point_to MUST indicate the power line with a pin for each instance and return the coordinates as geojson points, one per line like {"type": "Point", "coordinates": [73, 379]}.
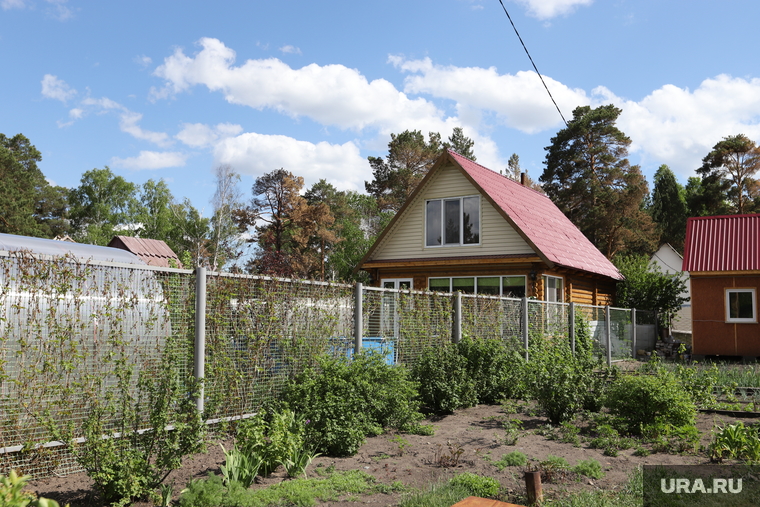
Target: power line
{"type": "Point", "coordinates": [531, 61]}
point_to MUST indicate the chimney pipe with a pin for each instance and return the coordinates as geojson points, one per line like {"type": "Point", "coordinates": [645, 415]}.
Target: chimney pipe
{"type": "Point", "coordinates": [522, 178]}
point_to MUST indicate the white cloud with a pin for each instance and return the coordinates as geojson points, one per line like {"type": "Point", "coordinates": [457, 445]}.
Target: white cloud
{"type": "Point", "coordinates": [290, 50]}
{"type": "Point", "coordinates": [12, 4]}
{"type": "Point", "coordinates": [151, 160]}
{"type": "Point", "coordinates": [546, 9]}
{"type": "Point", "coordinates": [128, 120]}
{"type": "Point", "coordinates": [61, 10]}
{"type": "Point", "coordinates": [520, 100]}
{"type": "Point", "coordinates": [142, 60]}
{"type": "Point", "coordinates": [198, 135]}
{"type": "Point", "coordinates": [678, 127]}
{"type": "Point", "coordinates": [129, 124]}
{"type": "Point", "coordinates": [330, 94]}
{"type": "Point", "coordinates": [54, 88]}
{"type": "Point", "coordinates": [258, 154]}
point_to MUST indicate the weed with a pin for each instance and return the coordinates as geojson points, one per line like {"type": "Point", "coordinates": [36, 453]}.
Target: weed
{"type": "Point", "coordinates": [735, 441]}
{"type": "Point", "coordinates": [512, 430]}
{"type": "Point", "coordinates": [450, 456]}
{"type": "Point", "coordinates": [589, 468]}
{"type": "Point", "coordinates": [12, 493]}
{"type": "Point", "coordinates": [513, 459]}
{"type": "Point", "coordinates": [240, 467]}
{"type": "Point", "coordinates": [401, 444]}
{"type": "Point", "coordinates": [477, 485]}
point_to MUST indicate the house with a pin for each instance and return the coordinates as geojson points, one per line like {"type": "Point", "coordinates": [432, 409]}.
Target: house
{"type": "Point", "coordinates": [670, 262]}
{"type": "Point", "coordinates": [153, 251]}
{"type": "Point", "coordinates": [722, 256]}
{"type": "Point", "coordinates": [467, 228]}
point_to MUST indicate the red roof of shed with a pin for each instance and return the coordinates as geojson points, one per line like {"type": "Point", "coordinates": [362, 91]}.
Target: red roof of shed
{"type": "Point", "coordinates": [153, 251]}
{"type": "Point", "coordinates": [722, 243]}
{"type": "Point", "coordinates": [533, 215]}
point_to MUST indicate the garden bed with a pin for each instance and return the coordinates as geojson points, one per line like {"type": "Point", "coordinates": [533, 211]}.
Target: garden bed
{"type": "Point", "coordinates": [477, 432]}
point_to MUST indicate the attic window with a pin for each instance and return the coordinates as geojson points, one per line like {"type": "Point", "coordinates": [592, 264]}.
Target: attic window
{"type": "Point", "coordinates": [740, 305]}
{"type": "Point", "coordinates": [452, 222]}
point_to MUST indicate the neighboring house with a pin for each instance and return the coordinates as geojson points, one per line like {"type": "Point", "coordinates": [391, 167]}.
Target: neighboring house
{"type": "Point", "coordinates": [56, 248]}
{"type": "Point", "coordinates": [670, 262]}
{"type": "Point", "coordinates": [467, 228]}
{"type": "Point", "coordinates": [722, 256]}
{"type": "Point", "coordinates": [153, 251]}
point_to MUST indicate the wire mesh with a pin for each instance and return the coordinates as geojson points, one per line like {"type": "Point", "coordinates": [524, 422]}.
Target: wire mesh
{"type": "Point", "coordinates": [491, 317]}
{"type": "Point", "coordinates": [403, 323]}
{"type": "Point", "coordinates": [68, 329]}
{"type": "Point", "coordinates": [261, 332]}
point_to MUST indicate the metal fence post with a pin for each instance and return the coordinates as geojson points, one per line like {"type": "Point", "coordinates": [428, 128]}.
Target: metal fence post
{"type": "Point", "coordinates": [572, 326]}
{"type": "Point", "coordinates": [525, 326]}
{"type": "Point", "coordinates": [608, 332]}
{"type": "Point", "coordinates": [358, 317]}
{"type": "Point", "coordinates": [456, 333]}
{"type": "Point", "coordinates": [199, 353]}
{"type": "Point", "coordinates": [633, 333]}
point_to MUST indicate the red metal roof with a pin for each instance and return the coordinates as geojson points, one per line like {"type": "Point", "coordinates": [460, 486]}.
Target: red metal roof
{"type": "Point", "coordinates": [153, 251]}
{"type": "Point", "coordinates": [540, 221]}
{"type": "Point", "coordinates": [722, 243]}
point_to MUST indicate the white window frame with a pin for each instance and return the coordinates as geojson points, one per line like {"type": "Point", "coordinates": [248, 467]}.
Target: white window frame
{"type": "Point", "coordinates": [461, 222]}
{"type": "Point", "coordinates": [501, 281]}
{"type": "Point", "coordinates": [739, 320]}
{"type": "Point", "coordinates": [560, 293]}
{"type": "Point", "coordinates": [397, 283]}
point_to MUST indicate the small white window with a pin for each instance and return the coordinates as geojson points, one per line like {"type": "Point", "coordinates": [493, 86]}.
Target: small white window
{"type": "Point", "coordinates": [553, 291]}
{"type": "Point", "coordinates": [740, 305]}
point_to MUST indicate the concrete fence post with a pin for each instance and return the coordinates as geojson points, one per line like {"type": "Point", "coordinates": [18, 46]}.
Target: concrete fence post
{"type": "Point", "coordinates": [633, 333]}
{"type": "Point", "coordinates": [571, 327]}
{"type": "Point", "coordinates": [358, 317]}
{"type": "Point", "coordinates": [525, 325]}
{"type": "Point", "coordinates": [608, 333]}
{"type": "Point", "coordinates": [456, 331]}
{"type": "Point", "coordinates": [199, 353]}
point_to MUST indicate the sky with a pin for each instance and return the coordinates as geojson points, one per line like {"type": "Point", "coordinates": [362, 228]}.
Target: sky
{"type": "Point", "coordinates": [168, 89]}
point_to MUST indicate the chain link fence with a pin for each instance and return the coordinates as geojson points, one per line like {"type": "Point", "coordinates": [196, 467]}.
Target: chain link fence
{"type": "Point", "coordinates": [67, 327]}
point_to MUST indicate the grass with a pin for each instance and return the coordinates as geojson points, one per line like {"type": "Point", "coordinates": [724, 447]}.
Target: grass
{"type": "Point", "coordinates": [211, 492]}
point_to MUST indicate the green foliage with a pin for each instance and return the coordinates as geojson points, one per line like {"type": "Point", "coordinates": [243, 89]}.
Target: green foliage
{"type": "Point", "coordinates": [511, 431]}
{"type": "Point", "coordinates": [641, 400]}
{"type": "Point", "coordinates": [347, 400]}
{"type": "Point", "coordinates": [669, 208]}
{"type": "Point", "coordinates": [513, 459]}
{"type": "Point", "coordinates": [733, 163]}
{"type": "Point", "coordinates": [736, 441]}
{"type": "Point", "coordinates": [444, 381]}
{"type": "Point", "coordinates": [562, 382]}
{"type": "Point", "coordinates": [462, 375]}
{"type": "Point", "coordinates": [646, 288]}
{"type": "Point", "coordinates": [272, 439]}
{"type": "Point", "coordinates": [476, 485]}
{"type": "Point", "coordinates": [610, 440]}
{"type": "Point", "coordinates": [125, 461]}
{"type": "Point", "coordinates": [589, 468]}
{"type": "Point", "coordinates": [437, 495]}
{"type": "Point", "coordinates": [212, 492]}
{"type": "Point", "coordinates": [240, 467]}
{"type": "Point", "coordinates": [12, 493]}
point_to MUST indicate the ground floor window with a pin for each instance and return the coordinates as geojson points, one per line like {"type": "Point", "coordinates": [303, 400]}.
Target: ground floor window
{"type": "Point", "coordinates": [553, 289]}
{"type": "Point", "coordinates": [505, 286]}
{"type": "Point", "coordinates": [740, 305]}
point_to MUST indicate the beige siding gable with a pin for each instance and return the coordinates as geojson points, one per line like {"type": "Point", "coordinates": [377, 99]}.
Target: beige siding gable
{"type": "Point", "coordinates": [407, 238]}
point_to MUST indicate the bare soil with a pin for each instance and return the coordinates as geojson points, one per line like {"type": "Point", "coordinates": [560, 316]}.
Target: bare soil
{"type": "Point", "coordinates": [476, 431]}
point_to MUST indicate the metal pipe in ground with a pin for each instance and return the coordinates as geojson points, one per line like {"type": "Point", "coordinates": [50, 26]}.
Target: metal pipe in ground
{"type": "Point", "coordinates": [533, 487]}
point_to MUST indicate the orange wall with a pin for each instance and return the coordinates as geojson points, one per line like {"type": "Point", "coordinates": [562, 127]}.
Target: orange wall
{"type": "Point", "coordinates": [711, 334]}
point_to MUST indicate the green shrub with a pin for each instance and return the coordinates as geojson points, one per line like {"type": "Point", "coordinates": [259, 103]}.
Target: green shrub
{"type": "Point", "coordinates": [271, 438]}
{"type": "Point", "coordinates": [477, 485]}
{"type": "Point", "coordinates": [736, 441]}
{"type": "Point", "coordinates": [467, 373]}
{"type": "Point", "coordinates": [513, 459]}
{"type": "Point", "coordinates": [589, 468]}
{"type": "Point", "coordinates": [561, 382]}
{"type": "Point", "coordinates": [344, 401]}
{"type": "Point", "coordinates": [495, 368]}
{"type": "Point", "coordinates": [445, 384]}
{"type": "Point", "coordinates": [12, 493]}
{"type": "Point", "coordinates": [642, 400]}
